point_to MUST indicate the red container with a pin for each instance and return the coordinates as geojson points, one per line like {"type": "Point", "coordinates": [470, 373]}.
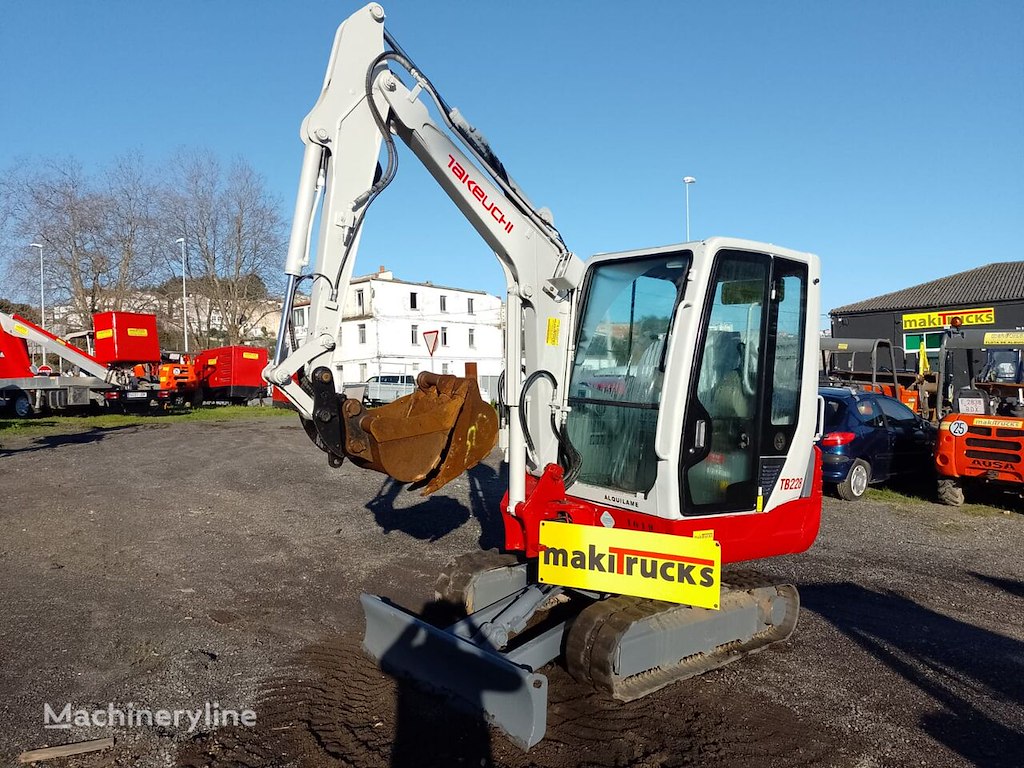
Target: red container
{"type": "Point", "coordinates": [125, 338]}
{"type": "Point", "coordinates": [14, 360]}
{"type": "Point", "coordinates": [232, 373]}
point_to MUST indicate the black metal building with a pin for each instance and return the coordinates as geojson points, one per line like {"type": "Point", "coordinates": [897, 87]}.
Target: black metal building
{"type": "Point", "coordinates": [987, 297]}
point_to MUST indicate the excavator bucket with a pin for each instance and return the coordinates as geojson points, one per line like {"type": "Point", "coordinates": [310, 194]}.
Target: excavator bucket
{"type": "Point", "coordinates": [431, 436]}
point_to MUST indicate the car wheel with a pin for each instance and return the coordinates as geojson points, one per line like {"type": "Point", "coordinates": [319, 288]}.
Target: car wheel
{"type": "Point", "coordinates": [23, 407]}
{"type": "Point", "coordinates": [856, 482]}
{"type": "Point", "coordinates": [951, 493]}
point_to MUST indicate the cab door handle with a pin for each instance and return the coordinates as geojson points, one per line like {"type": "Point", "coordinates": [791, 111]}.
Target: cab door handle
{"type": "Point", "coordinates": [700, 435]}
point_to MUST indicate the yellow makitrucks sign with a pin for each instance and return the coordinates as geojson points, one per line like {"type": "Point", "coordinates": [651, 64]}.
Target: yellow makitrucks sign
{"type": "Point", "coordinates": [678, 569]}
{"type": "Point", "coordinates": [943, 317]}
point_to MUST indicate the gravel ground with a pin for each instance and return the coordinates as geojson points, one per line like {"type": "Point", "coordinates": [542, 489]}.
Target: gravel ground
{"type": "Point", "coordinates": [170, 565]}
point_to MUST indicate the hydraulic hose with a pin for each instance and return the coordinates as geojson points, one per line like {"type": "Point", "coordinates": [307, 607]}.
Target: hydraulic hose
{"type": "Point", "coordinates": [569, 458]}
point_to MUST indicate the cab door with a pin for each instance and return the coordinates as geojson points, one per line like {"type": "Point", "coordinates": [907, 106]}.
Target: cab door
{"type": "Point", "coordinates": [745, 389]}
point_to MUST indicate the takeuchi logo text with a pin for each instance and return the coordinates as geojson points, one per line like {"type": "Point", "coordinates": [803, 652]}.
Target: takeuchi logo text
{"type": "Point", "coordinates": [658, 566]}
{"type": "Point", "coordinates": [478, 192]}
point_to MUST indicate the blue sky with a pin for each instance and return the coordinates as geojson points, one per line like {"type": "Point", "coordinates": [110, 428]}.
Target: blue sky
{"type": "Point", "coordinates": [888, 137]}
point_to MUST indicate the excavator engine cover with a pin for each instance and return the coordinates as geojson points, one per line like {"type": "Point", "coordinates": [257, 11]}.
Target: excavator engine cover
{"type": "Point", "coordinates": [431, 436]}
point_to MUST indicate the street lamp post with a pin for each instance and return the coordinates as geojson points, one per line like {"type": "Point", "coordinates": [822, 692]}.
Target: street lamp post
{"type": "Point", "coordinates": [42, 293]}
{"type": "Point", "coordinates": [184, 298]}
{"type": "Point", "coordinates": [687, 181]}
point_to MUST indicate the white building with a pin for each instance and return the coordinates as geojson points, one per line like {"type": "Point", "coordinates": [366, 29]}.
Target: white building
{"type": "Point", "coordinates": [386, 324]}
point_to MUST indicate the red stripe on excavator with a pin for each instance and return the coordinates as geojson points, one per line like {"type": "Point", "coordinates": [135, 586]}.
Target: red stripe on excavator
{"type": "Point", "coordinates": [657, 556]}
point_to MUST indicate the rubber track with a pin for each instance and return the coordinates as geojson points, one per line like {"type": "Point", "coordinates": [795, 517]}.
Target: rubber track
{"type": "Point", "coordinates": [597, 632]}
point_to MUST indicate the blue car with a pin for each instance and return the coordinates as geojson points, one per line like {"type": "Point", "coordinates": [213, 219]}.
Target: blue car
{"type": "Point", "coordinates": [868, 438]}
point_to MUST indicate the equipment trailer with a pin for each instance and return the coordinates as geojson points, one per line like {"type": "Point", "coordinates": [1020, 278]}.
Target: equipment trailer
{"type": "Point", "coordinates": [97, 384]}
{"type": "Point", "coordinates": [624, 502]}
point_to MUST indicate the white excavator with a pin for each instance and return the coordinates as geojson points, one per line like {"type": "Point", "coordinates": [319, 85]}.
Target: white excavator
{"type": "Point", "coordinates": [658, 417]}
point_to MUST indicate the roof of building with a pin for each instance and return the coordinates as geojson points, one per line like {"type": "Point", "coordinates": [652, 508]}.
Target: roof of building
{"type": "Point", "coordinates": [388, 276]}
{"type": "Point", "coordinates": [1001, 281]}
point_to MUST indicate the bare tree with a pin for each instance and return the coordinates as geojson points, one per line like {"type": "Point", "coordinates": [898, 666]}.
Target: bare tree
{"type": "Point", "coordinates": [131, 236]}
{"type": "Point", "coordinates": [96, 238]}
{"type": "Point", "coordinates": [109, 243]}
{"type": "Point", "coordinates": [234, 235]}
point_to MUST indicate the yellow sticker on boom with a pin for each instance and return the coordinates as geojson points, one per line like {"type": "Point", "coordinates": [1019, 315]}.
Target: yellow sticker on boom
{"type": "Point", "coordinates": [21, 330]}
{"type": "Point", "coordinates": [678, 569]}
{"type": "Point", "coordinates": [554, 326]}
{"type": "Point", "coordinates": [1004, 337]}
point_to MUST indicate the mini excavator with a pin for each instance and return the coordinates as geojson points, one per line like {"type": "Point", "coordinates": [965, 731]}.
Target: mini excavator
{"type": "Point", "coordinates": [658, 415]}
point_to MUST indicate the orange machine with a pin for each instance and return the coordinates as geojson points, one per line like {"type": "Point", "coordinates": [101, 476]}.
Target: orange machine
{"type": "Point", "coordinates": [981, 434]}
{"type": "Point", "coordinates": [180, 377]}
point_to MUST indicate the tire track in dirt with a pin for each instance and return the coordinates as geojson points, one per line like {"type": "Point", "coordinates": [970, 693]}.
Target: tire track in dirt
{"type": "Point", "coordinates": [332, 706]}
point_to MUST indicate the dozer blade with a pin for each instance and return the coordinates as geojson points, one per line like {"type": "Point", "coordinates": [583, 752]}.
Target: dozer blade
{"type": "Point", "coordinates": [476, 679]}
{"type": "Point", "coordinates": [431, 436]}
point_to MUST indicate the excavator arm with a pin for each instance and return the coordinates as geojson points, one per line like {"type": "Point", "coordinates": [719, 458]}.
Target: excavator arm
{"type": "Point", "coordinates": [372, 92]}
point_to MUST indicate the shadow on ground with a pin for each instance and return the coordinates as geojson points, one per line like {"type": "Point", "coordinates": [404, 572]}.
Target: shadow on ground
{"type": "Point", "coordinates": [1010, 586]}
{"type": "Point", "coordinates": [50, 442]}
{"type": "Point", "coordinates": [953, 662]}
{"type": "Point", "coordinates": [435, 516]}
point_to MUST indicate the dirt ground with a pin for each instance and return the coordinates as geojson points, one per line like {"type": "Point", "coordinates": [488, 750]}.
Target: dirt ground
{"type": "Point", "coordinates": [170, 565]}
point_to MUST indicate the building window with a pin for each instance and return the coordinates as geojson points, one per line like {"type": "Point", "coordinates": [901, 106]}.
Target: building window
{"type": "Point", "coordinates": [444, 303]}
{"type": "Point", "coordinates": [415, 367]}
{"type": "Point", "coordinates": [472, 337]}
{"type": "Point", "coordinates": [362, 333]}
{"type": "Point", "coordinates": [444, 367]}
{"type": "Point", "coordinates": [932, 346]}
{"type": "Point", "coordinates": [362, 371]}
{"type": "Point", "coordinates": [469, 306]}
{"type": "Point", "coordinates": [415, 334]}
{"type": "Point", "coordinates": [413, 300]}
{"type": "Point", "coordinates": [444, 335]}
{"type": "Point", "coordinates": [359, 301]}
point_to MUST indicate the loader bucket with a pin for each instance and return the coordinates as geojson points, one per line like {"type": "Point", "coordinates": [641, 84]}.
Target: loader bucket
{"type": "Point", "coordinates": [431, 436]}
{"type": "Point", "coordinates": [472, 677]}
